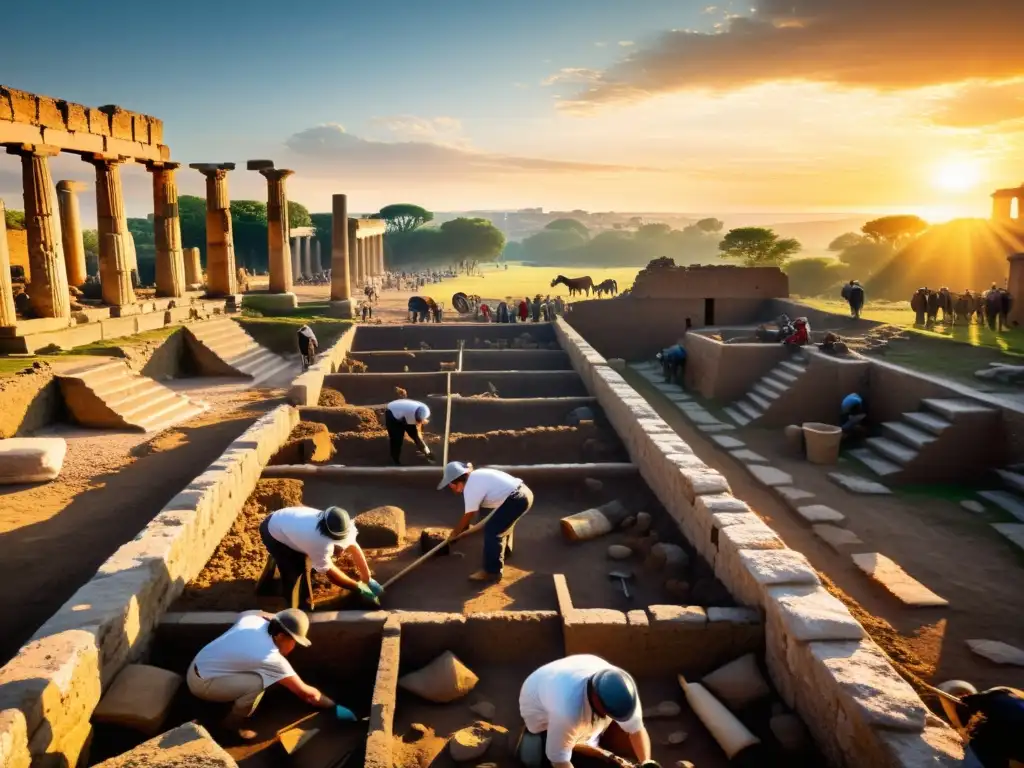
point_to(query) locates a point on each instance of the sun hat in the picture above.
(453, 470)
(295, 623)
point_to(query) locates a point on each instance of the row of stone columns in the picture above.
(366, 255)
(355, 260)
(306, 257)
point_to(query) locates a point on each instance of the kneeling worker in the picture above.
(672, 361)
(294, 533)
(505, 499)
(242, 663)
(406, 417)
(570, 704)
(853, 415)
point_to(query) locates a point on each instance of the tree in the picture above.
(895, 230)
(404, 217)
(867, 257)
(848, 240)
(249, 225)
(298, 215)
(569, 225)
(192, 214)
(14, 219)
(814, 277)
(653, 231)
(465, 238)
(91, 241)
(324, 223)
(546, 244)
(710, 225)
(758, 247)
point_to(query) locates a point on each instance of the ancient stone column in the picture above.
(318, 265)
(193, 267)
(341, 290)
(8, 316)
(48, 290)
(357, 261)
(71, 230)
(295, 258)
(307, 257)
(115, 264)
(380, 254)
(221, 277)
(280, 259)
(170, 260)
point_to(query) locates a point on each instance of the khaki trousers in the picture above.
(243, 689)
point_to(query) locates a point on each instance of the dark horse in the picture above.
(574, 284)
(608, 286)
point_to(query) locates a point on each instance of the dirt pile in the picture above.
(347, 418)
(349, 365)
(331, 398)
(309, 442)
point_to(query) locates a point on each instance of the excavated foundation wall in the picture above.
(399, 337)
(305, 388)
(49, 690)
(726, 371)
(414, 361)
(860, 711)
(379, 388)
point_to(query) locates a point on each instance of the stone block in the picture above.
(793, 496)
(187, 745)
(140, 128)
(6, 112)
(139, 698)
(700, 481)
(728, 442)
(770, 568)
(819, 513)
(998, 652)
(748, 457)
(380, 527)
(48, 113)
(156, 131)
(99, 121)
(24, 106)
(76, 118)
(770, 476)
(857, 484)
(809, 613)
(732, 540)
(67, 748)
(13, 734)
(691, 615)
(20, 133)
(840, 539)
(73, 142)
(901, 584)
(31, 459)
(734, 615)
(937, 746)
(120, 122)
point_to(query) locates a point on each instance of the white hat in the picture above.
(453, 470)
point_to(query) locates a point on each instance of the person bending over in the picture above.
(406, 417)
(853, 416)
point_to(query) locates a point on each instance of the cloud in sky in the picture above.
(572, 75)
(440, 130)
(983, 105)
(877, 44)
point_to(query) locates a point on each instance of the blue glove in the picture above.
(344, 714)
(378, 590)
(367, 594)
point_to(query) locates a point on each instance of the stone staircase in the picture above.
(222, 348)
(944, 440)
(1010, 499)
(112, 396)
(767, 390)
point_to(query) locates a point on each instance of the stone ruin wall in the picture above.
(710, 282)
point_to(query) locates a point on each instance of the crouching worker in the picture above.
(307, 346)
(991, 721)
(853, 417)
(503, 497)
(672, 362)
(406, 417)
(240, 665)
(293, 534)
(581, 711)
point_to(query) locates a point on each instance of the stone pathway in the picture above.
(1000, 653)
(826, 523)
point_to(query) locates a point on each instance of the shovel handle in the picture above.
(431, 553)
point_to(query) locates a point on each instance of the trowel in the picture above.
(623, 577)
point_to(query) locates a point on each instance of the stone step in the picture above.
(104, 375)
(874, 462)
(1012, 531)
(770, 381)
(136, 388)
(176, 417)
(927, 421)
(270, 371)
(907, 434)
(249, 354)
(141, 405)
(951, 408)
(749, 410)
(225, 330)
(763, 403)
(255, 363)
(768, 393)
(892, 450)
(1013, 480)
(736, 416)
(785, 376)
(171, 413)
(792, 367)
(1006, 501)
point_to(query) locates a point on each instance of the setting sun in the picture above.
(958, 175)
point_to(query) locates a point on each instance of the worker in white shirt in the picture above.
(240, 665)
(294, 533)
(570, 704)
(484, 491)
(406, 417)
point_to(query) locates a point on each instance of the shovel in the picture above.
(623, 577)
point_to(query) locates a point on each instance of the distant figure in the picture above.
(1005, 305)
(852, 414)
(673, 360)
(524, 311)
(993, 307)
(502, 314)
(932, 305)
(535, 308)
(919, 303)
(853, 292)
(801, 333)
(486, 312)
(307, 346)
(945, 304)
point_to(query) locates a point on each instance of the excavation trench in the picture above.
(375, 388)
(425, 361)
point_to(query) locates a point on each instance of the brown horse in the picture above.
(574, 284)
(608, 286)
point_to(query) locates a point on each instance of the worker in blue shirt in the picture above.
(672, 361)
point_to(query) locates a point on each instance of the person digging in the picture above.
(295, 536)
(582, 711)
(240, 665)
(406, 417)
(991, 721)
(505, 499)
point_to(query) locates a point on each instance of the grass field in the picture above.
(522, 281)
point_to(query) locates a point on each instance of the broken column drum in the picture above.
(193, 267)
(71, 230)
(170, 259)
(221, 277)
(115, 265)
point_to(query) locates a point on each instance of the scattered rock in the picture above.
(629, 522)
(855, 484)
(837, 538)
(667, 557)
(684, 764)
(443, 680)
(725, 441)
(676, 737)
(431, 537)
(593, 484)
(380, 527)
(468, 744)
(577, 415)
(738, 683)
(619, 552)
(417, 731)
(664, 709)
(790, 732)
(485, 709)
(973, 506)
(643, 522)
(768, 475)
(1000, 653)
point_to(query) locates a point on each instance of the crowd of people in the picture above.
(991, 307)
(536, 309)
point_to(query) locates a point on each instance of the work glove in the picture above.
(378, 590)
(367, 594)
(344, 714)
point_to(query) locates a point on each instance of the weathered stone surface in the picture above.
(13, 733)
(738, 683)
(643, 522)
(734, 615)
(973, 506)
(682, 614)
(187, 745)
(139, 698)
(698, 482)
(664, 709)
(1000, 653)
(938, 746)
(748, 456)
(381, 527)
(855, 484)
(837, 538)
(810, 613)
(775, 567)
(869, 688)
(794, 497)
(900, 583)
(749, 536)
(485, 709)
(31, 459)
(819, 513)
(619, 552)
(728, 442)
(770, 476)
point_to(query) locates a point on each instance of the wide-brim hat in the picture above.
(295, 623)
(453, 470)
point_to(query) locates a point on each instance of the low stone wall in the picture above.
(305, 389)
(860, 711)
(49, 690)
(726, 371)
(443, 335)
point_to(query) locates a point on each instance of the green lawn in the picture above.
(521, 281)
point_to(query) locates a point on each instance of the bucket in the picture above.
(822, 441)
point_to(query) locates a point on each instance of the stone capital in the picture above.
(211, 169)
(99, 158)
(259, 165)
(160, 165)
(71, 186)
(277, 174)
(39, 150)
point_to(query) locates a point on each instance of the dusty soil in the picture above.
(441, 584)
(54, 536)
(946, 548)
(331, 398)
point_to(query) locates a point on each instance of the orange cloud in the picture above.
(983, 105)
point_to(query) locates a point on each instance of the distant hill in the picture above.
(816, 235)
(960, 254)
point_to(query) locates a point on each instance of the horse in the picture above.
(574, 284)
(608, 286)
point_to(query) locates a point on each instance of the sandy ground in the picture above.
(54, 536)
(934, 540)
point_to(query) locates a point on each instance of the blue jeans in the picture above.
(498, 529)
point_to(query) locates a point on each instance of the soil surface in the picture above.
(53, 536)
(441, 584)
(949, 550)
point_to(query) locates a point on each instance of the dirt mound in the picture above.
(331, 398)
(381, 527)
(306, 429)
(349, 365)
(401, 393)
(309, 442)
(348, 418)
